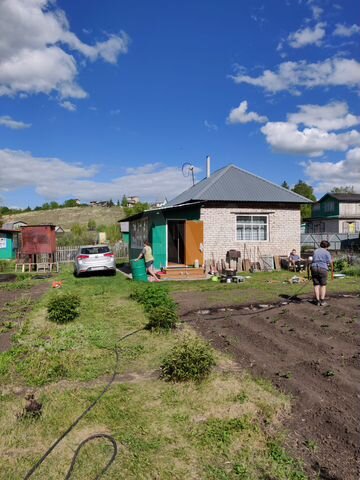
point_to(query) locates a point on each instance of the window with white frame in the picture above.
(252, 228)
(139, 232)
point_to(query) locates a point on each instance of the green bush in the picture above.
(152, 296)
(63, 308)
(162, 317)
(340, 264)
(352, 271)
(191, 359)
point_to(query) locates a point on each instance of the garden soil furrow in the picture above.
(310, 352)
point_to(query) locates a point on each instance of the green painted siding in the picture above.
(125, 237)
(328, 208)
(7, 250)
(158, 231)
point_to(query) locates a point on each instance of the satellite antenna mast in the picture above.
(188, 168)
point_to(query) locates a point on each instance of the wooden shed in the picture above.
(38, 240)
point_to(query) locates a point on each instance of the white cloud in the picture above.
(307, 36)
(210, 126)
(68, 105)
(333, 116)
(240, 115)
(327, 175)
(342, 30)
(316, 11)
(290, 75)
(34, 35)
(8, 122)
(149, 181)
(287, 138)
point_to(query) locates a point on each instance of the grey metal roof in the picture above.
(343, 197)
(233, 184)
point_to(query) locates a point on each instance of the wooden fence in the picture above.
(67, 254)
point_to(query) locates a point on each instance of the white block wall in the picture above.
(220, 231)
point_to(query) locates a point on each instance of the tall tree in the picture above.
(285, 185)
(343, 189)
(124, 201)
(307, 191)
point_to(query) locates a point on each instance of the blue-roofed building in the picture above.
(232, 209)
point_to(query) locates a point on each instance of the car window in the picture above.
(95, 250)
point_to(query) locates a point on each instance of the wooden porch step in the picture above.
(181, 273)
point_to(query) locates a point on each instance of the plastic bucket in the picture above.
(138, 270)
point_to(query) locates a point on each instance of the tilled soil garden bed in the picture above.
(309, 352)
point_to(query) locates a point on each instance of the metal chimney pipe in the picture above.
(208, 166)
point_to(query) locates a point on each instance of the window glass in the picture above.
(251, 228)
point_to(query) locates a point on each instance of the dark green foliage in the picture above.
(158, 305)
(306, 191)
(191, 359)
(162, 317)
(340, 264)
(63, 308)
(152, 296)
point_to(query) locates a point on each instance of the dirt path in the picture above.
(312, 353)
(14, 305)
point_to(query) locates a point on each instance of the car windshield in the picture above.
(94, 250)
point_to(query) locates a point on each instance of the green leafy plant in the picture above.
(63, 308)
(340, 264)
(152, 296)
(162, 317)
(191, 359)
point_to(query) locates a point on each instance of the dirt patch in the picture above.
(14, 306)
(310, 352)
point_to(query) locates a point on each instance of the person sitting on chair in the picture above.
(295, 261)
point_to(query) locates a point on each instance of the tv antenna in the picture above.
(188, 168)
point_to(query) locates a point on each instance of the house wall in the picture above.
(220, 230)
(349, 209)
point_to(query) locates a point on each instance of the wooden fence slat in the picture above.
(67, 254)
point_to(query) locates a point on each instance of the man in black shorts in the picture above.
(320, 270)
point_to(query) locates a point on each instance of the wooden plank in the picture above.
(277, 263)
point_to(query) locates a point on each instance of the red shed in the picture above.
(37, 240)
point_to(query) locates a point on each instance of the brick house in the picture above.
(229, 210)
(335, 213)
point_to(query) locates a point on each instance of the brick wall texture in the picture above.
(220, 231)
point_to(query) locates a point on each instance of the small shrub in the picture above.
(340, 264)
(162, 317)
(63, 308)
(152, 296)
(190, 360)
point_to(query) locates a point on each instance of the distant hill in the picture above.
(66, 217)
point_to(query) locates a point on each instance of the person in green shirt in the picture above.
(147, 255)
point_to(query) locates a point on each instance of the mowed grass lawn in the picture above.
(227, 427)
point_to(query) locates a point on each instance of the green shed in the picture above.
(9, 241)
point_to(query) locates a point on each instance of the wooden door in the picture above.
(194, 240)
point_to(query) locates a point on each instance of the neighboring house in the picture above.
(9, 243)
(335, 213)
(132, 201)
(14, 225)
(59, 230)
(101, 203)
(230, 210)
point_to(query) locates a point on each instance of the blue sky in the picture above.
(104, 98)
